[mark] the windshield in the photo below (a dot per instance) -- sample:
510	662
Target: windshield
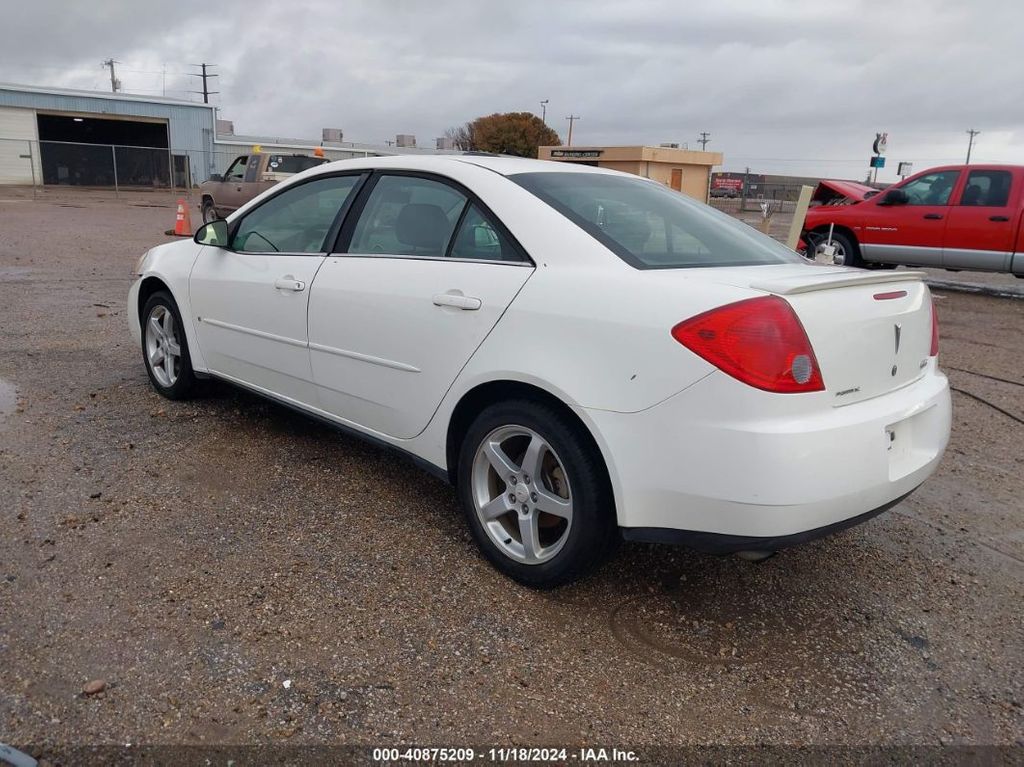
649	226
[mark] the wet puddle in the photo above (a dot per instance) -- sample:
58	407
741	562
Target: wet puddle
8	397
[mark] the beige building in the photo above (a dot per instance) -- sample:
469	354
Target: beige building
684	170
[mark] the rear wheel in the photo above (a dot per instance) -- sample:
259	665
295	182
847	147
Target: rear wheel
165	348
535	494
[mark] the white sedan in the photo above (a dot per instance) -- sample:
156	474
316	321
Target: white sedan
587	355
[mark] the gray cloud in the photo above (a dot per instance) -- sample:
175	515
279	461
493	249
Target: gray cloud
796	86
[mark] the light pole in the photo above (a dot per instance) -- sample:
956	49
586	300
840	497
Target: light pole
544	111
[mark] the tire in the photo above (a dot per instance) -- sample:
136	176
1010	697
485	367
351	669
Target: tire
162	332
847	251
510	521
209	211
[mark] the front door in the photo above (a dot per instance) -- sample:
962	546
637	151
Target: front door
981	226
229	194
425	274
911	233
250	298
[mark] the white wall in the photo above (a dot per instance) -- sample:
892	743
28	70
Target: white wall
18	137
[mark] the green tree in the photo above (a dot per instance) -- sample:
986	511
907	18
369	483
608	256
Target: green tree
515	133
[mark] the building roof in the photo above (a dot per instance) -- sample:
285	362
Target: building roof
42	90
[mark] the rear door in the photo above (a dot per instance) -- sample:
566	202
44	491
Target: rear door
424	272
912	233
250	299
982	224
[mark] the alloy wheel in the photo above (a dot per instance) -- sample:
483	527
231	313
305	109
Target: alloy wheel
521	494
163	347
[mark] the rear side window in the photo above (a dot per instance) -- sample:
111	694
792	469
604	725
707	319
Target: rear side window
478	239
650	226
408	216
288	163
988	188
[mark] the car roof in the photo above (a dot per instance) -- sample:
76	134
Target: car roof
501	164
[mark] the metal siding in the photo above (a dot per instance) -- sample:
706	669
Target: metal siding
190	127
17	144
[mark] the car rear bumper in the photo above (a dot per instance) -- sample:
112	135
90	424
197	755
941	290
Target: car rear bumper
725	467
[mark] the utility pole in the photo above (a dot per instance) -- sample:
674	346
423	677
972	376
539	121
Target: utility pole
571	119
705	137
743	192
970	143
205	75
544	111
115	84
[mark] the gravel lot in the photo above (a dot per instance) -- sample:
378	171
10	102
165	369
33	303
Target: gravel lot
236	573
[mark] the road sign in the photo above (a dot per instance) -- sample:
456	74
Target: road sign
905	169
881	141
877	161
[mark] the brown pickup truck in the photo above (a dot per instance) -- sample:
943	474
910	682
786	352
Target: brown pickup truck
246	177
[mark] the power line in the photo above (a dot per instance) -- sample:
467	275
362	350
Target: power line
970	143
205	75
705	137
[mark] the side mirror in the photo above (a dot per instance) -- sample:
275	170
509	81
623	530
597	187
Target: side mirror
895	197
216	177
214	233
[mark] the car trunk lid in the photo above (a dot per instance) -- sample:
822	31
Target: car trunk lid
870	330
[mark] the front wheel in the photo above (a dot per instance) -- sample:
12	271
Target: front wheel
846	251
535	494
209	211
165	348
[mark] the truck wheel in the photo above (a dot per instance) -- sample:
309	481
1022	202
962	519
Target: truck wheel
209	211
847	253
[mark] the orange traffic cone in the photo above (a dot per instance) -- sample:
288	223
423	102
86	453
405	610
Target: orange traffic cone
182	221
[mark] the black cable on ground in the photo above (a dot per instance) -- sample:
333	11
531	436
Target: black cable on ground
984	375
984	401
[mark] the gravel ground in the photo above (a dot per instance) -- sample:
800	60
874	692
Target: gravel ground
236	573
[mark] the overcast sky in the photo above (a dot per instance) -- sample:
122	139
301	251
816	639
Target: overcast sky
784	87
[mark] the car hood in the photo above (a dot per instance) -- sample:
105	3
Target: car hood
832	192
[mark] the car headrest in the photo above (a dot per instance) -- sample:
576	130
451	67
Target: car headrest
422	226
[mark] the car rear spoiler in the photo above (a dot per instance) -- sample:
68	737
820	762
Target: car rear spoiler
787	286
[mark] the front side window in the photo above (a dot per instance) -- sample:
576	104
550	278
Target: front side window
931	189
296	220
408	216
236	172
988	188
650	226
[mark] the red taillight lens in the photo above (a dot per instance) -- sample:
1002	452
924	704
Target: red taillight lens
759	341
935	332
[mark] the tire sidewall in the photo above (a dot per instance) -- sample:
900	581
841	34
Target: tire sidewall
209	211
593	530
185	383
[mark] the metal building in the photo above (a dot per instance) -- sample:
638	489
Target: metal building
68	137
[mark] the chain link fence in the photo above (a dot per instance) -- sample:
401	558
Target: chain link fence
30	168
781	197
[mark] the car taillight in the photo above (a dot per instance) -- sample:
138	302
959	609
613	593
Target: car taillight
935	332
759	341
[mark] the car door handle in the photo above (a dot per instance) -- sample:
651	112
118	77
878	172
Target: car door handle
998	218
289	283
459	301
933	216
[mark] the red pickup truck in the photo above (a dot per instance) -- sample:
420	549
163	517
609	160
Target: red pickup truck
953	217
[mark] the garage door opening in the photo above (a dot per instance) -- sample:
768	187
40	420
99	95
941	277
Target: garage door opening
101	152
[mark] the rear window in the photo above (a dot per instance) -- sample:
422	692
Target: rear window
290	163
649	226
